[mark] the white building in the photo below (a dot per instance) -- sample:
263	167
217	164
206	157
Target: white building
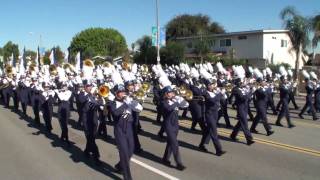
259	47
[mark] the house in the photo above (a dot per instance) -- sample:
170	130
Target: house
258	47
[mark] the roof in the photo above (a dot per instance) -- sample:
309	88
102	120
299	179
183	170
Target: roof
237	33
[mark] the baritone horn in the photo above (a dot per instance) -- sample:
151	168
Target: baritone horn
126	66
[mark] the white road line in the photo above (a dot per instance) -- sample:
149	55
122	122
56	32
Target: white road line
155	170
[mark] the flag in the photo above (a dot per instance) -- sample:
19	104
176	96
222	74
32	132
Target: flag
51	57
39	57
78	62
66	56
162	37
21	65
11	60
36	59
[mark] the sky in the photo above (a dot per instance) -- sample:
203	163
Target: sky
24	21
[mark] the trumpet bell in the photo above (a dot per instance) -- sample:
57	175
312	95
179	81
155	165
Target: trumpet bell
126	66
104	91
53	70
139	95
145	87
88	62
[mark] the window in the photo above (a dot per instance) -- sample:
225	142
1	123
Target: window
242	37
211	43
284	43
225	42
273	37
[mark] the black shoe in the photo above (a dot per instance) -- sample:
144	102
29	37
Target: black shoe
279	124
160	136
181	167
275	113
296	108
249	142
220	153
86	154
219	125
118	168
254	131
97	162
300	116
291	126
233	138
166	162
269	133
316	119
203	148
138	151
229	126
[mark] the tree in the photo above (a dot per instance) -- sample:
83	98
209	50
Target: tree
8	49
191	25
173	53
99	41
202	48
147	54
298	27
315	22
1	52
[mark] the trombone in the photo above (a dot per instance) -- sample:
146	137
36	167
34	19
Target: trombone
186	93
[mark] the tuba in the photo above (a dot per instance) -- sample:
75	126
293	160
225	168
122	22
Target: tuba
32	67
68	66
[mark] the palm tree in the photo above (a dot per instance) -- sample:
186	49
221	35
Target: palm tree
299	28
315	22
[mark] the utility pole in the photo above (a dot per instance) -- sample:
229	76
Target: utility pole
158	32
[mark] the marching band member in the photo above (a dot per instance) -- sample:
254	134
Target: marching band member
284	98
242	96
213	97
170	107
221	83
121	109
47	100
24	84
260	102
35	99
317	97
64	95
293	87
310	87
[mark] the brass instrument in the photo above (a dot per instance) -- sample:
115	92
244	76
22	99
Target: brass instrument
139	95
126	66
229	87
107	64
186	93
88	62
145	70
32	67
68	66
145	86
9	70
103	91
53	70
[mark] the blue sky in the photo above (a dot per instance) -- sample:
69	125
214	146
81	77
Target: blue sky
59	20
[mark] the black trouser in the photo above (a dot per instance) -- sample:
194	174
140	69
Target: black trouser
102	129
284	111
172	146
91	146
261	116
15	100
24	108
64	110
309	105
243	124
36	112
211	132
224	112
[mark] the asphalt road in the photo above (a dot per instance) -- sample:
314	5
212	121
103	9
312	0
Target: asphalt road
28	153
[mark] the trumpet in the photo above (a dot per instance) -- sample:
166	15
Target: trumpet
139	95
145	86
229	87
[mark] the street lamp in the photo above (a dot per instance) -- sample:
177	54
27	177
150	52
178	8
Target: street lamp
158	31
